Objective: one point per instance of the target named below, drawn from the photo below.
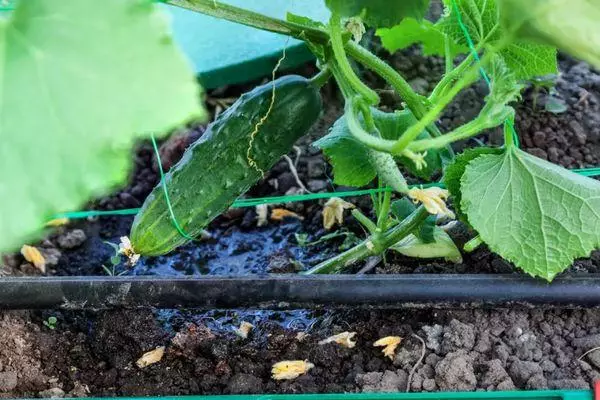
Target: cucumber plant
(533, 213)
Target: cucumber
(215, 170)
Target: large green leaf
(380, 13)
(411, 31)
(571, 26)
(81, 80)
(482, 20)
(531, 212)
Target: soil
(89, 353)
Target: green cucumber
(215, 170)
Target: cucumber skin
(214, 170)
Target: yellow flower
(343, 339)
(433, 199)
(290, 369)
(33, 255)
(244, 330)
(334, 212)
(57, 222)
(151, 357)
(389, 344)
(127, 250)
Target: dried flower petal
(151, 357)
(389, 344)
(290, 369)
(343, 339)
(333, 212)
(34, 256)
(262, 211)
(57, 222)
(356, 26)
(280, 213)
(127, 250)
(433, 199)
(244, 330)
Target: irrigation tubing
(295, 291)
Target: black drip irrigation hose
(295, 291)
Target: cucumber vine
(519, 199)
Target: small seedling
(51, 322)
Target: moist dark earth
(95, 353)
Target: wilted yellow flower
(280, 213)
(151, 357)
(244, 330)
(33, 255)
(356, 26)
(127, 250)
(343, 339)
(290, 369)
(57, 222)
(389, 344)
(333, 211)
(433, 199)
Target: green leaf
(571, 26)
(81, 82)
(454, 172)
(348, 156)
(482, 21)
(411, 31)
(503, 90)
(380, 13)
(531, 212)
(442, 247)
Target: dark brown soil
(96, 354)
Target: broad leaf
(380, 13)
(82, 80)
(454, 172)
(442, 246)
(482, 21)
(411, 31)
(531, 212)
(571, 26)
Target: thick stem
(450, 77)
(253, 19)
(465, 131)
(354, 126)
(320, 79)
(346, 259)
(364, 221)
(337, 44)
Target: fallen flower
(151, 357)
(262, 211)
(278, 214)
(290, 369)
(127, 250)
(57, 222)
(33, 255)
(389, 344)
(433, 199)
(244, 330)
(333, 212)
(343, 339)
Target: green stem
(321, 78)
(374, 142)
(472, 244)
(450, 77)
(337, 44)
(384, 209)
(364, 221)
(465, 131)
(412, 132)
(239, 15)
(365, 249)
(448, 55)
(509, 132)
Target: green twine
(484, 75)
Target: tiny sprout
(51, 322)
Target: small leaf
(290, 369)
(482, 21)
(555, 105)
(380, 13)
(151, 357)
(531, 212)
(344, 339)
(389, 344)
(571, 26)
(411, 31)
(455, 171)
(442, 247)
